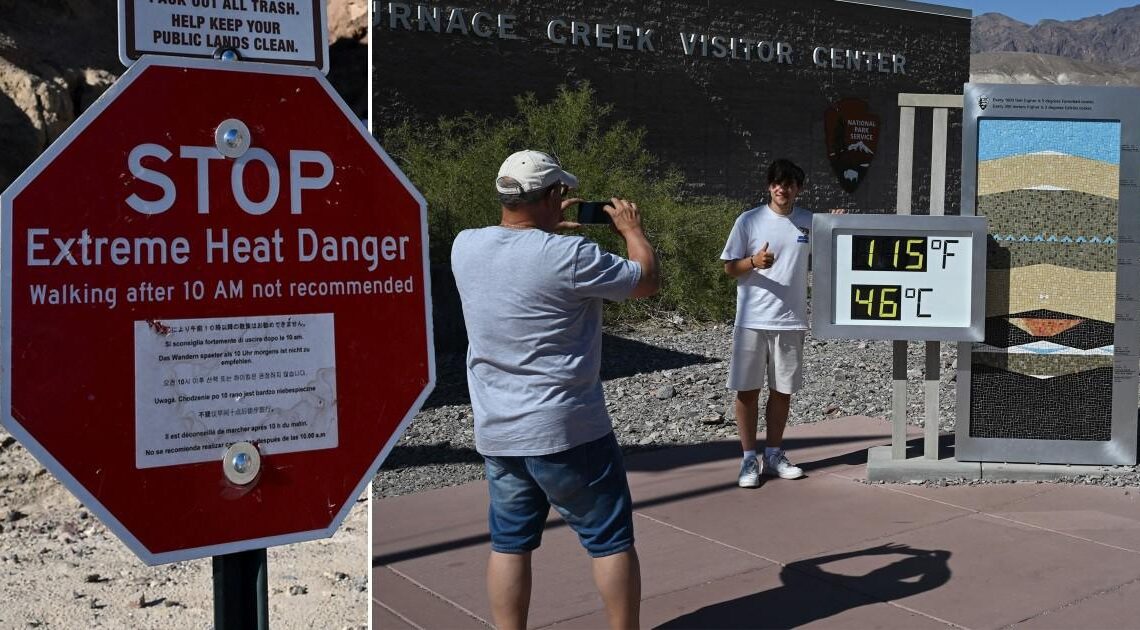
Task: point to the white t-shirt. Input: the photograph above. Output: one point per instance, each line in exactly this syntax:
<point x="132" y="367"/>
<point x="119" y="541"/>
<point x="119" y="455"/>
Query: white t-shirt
<point x="774" y="298"/>
<point x="532" y="304"/>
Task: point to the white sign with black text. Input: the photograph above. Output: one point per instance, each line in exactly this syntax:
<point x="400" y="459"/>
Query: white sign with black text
<point x="275" y="31"/>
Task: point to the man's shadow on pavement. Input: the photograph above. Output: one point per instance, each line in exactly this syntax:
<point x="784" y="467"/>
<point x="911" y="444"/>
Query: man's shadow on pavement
<point x="809" y="593"/>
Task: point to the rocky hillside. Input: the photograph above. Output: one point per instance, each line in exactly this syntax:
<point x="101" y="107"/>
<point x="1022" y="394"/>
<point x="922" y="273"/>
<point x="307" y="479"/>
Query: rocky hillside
<point x="1019" y="67"/>
<point x="58" y="56"/>
<point x="1097" y="50"/>
<point x="1111" y="38"/>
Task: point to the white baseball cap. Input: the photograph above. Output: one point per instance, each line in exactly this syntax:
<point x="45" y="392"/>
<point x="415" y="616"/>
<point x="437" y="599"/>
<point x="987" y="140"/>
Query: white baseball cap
<point x="531" y="170"/>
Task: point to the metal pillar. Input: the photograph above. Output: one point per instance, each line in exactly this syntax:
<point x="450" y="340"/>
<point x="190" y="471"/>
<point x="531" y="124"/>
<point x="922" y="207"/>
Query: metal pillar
<point x="907" y="104"/>
<point x="241" y="591"/>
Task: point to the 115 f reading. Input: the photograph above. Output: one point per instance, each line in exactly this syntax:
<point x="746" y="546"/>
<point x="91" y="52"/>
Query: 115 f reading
<point x="898" y="253"/>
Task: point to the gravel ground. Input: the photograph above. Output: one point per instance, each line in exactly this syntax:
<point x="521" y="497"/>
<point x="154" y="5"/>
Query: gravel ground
<point x="665" y="386"/>
<point x="60" y="567"/>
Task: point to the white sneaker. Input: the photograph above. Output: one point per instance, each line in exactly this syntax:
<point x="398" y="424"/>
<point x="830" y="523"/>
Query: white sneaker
<point x="749" y="473"/>
<point x="778" y="466"/>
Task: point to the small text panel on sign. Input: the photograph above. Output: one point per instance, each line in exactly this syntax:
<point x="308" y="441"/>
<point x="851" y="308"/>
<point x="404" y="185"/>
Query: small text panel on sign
<point x="203" y="384"/>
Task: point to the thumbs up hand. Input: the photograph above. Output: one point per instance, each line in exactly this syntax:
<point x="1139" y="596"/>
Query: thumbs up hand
<point x="763" y="259"/>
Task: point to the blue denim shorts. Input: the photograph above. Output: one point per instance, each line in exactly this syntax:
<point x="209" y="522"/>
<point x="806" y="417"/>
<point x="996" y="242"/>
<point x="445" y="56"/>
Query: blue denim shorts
<point x="586" y="484"/>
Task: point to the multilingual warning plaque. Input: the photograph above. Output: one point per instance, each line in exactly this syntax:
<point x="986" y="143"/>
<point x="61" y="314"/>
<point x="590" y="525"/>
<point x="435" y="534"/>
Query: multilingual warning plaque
<point x="202" y="384"/>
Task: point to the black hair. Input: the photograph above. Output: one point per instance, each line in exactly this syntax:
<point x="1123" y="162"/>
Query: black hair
<point x="782" y="171"/>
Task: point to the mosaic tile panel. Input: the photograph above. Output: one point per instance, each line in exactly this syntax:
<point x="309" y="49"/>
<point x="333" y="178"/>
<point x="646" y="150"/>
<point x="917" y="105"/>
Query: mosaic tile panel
<point x="1016" y="406"/>
<point x="1031" y="212"/>
<point x="1085" y="334"/>
<point x="1049" y="189"/>
<point x="1044" y="365"/>
<point x="1097" y="140"/>
<point x="1084" y="294"/>
<point x="1047" y="171"/>
<point x="1020" y="221"/>
<point x="1029" y="251"/>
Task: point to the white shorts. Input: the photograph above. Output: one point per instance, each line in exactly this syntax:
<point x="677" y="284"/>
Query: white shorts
<point x="776" y="353"/>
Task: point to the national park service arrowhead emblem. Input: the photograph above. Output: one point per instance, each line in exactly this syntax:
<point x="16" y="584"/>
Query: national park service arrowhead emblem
<point x="852" y="132"/>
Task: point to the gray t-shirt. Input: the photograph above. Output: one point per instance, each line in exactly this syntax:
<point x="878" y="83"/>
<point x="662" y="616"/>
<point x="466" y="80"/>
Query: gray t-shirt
<point x="532" y="303"/>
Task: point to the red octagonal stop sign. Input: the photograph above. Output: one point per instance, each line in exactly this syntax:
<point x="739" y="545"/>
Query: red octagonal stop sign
<point x="216" y="312"/>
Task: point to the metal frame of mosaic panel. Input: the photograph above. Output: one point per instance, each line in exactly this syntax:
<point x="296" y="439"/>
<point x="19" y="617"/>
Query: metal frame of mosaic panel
<point x="1054" y="171"/>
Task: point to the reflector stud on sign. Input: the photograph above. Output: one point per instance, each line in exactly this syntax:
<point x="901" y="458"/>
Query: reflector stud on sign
<point x="241" y="463"/>
<point x="232" y="138"/>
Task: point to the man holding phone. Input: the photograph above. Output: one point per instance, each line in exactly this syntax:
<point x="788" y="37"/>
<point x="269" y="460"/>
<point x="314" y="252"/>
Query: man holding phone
<point x="767" y="252"/>
<point x="532" y="304"/>
<point x="594" y="213"/>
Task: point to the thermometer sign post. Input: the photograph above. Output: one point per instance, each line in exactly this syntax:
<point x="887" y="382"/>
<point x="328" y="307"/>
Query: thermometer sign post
<point x="900" y="278"/>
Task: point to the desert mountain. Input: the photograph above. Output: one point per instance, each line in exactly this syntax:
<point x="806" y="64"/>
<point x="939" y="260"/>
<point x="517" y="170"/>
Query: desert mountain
<point x="1112" y="38"/>
<point x="1097" y="50"/>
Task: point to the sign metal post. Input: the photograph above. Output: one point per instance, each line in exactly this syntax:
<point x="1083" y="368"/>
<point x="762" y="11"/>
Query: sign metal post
<point x="241" y="591"/>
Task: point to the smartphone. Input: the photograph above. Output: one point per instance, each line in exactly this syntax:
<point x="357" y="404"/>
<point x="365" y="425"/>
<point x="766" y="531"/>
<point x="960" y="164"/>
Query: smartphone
<point x="593" y="212"/>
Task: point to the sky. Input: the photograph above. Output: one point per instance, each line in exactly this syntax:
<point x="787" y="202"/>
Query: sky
<point x="1032" y="11"/>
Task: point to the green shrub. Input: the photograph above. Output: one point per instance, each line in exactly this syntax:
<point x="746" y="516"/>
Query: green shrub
<point x="454" y="161"/>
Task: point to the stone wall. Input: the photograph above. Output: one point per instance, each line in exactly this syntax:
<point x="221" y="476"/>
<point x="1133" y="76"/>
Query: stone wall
<point x="720" y="119"/>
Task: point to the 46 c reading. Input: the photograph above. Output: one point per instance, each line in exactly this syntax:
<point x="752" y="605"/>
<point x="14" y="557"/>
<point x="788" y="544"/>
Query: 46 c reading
<point x="885" y="301"/>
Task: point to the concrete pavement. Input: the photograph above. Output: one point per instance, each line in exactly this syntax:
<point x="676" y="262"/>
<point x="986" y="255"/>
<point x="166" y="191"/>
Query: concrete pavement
<point x="825" y="551"/>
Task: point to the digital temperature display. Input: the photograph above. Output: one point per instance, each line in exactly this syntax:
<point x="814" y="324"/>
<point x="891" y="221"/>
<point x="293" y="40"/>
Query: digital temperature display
<point x="899" y="277"/>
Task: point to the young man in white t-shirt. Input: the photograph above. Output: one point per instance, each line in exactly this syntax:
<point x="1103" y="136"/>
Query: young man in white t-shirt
<point x="767" y="252"/>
